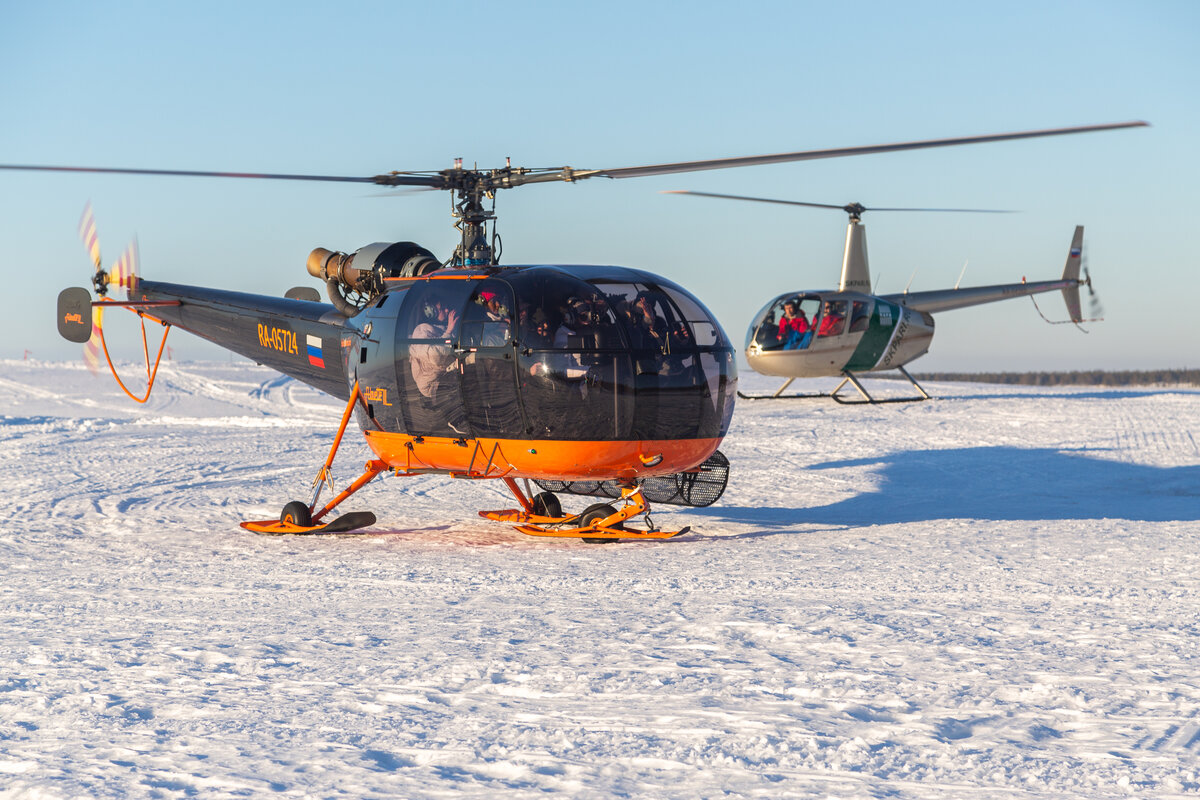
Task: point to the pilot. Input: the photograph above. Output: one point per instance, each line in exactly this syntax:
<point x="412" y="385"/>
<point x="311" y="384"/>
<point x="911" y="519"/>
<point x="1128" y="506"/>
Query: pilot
<point x="792" y="326"/>
<point x="491" y="302"/>
<point x="496" y="324"/>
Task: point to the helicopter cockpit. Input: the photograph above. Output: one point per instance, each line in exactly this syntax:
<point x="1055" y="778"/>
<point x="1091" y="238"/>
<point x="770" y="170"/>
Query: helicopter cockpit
<point x="579" y="353"/>
<point x="798" y="321"/>
<point x="789" y="322"/>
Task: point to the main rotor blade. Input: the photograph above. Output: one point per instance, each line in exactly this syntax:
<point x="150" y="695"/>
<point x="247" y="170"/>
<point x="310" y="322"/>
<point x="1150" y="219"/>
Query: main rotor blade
<point x="949" y="210"/>
<point x="389" y="179"/>
<point x="476" y="180"/>
<point x="810" y="155"/>
<point x="753" y="199"/>
<point x="852" y="207"/>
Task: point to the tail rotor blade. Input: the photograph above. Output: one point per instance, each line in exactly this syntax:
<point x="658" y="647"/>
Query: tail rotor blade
<point x="87" y="233"/>
<point x="1095" y="307"/>
<point x="93" y="352"/>
<point x="91" y="242"/>
<point x="125" y="272"/>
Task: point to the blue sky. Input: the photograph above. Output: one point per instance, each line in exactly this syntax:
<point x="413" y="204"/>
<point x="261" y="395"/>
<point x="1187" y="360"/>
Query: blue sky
<point x="371" y="87"/>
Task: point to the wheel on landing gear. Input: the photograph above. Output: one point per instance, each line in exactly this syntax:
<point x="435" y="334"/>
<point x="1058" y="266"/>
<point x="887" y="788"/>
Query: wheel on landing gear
<point x="593" y="513"/>
<point x="545" y="504"/>
<point x="296" y="513"/>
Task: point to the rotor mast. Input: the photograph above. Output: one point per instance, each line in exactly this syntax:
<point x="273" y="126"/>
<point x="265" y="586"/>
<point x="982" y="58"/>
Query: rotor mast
<point x="471" y="188"/>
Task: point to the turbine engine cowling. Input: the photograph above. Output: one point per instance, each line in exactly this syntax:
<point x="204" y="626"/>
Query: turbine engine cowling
<point x="363" y="271"/>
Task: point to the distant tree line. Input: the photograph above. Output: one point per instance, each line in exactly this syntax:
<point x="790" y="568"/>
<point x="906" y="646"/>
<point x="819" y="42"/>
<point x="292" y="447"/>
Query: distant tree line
<point x="1092" y="377"/>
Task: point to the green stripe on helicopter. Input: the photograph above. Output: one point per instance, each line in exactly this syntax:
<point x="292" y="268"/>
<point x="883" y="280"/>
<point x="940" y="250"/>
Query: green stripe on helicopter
<point x="875" y="339"/>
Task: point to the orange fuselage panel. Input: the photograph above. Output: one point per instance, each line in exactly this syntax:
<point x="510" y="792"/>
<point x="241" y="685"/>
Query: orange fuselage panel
<point x="539" y="458"/>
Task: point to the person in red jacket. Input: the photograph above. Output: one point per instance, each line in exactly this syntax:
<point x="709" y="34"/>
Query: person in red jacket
<point x="792" y="326"/>
<point x="833" y="319"/>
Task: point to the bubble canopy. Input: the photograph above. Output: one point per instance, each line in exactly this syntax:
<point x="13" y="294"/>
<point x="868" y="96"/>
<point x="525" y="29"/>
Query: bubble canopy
<point x="547" y="352"/>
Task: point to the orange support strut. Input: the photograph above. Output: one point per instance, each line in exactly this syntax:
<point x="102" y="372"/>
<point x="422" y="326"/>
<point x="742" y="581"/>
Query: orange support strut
<point x="324" y="476"/>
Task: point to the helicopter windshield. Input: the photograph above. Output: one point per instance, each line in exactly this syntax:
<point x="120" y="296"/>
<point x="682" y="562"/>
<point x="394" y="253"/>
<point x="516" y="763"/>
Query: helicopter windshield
<point x="788" y="322"/>
<point x="542" y="353"/>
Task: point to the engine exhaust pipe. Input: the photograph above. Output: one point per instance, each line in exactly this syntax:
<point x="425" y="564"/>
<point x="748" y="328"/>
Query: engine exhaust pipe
<point x="336" y="270"/>
<point x="328" y="265"/>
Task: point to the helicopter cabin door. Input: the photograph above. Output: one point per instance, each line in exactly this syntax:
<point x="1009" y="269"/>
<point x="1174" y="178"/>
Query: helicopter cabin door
<point x="427" y="359"/>
<point x="877" y="323"/>
<point x="488" y="358"/>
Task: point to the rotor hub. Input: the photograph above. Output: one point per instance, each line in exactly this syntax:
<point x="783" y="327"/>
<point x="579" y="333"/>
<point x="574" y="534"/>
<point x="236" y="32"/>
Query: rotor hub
<point x="855" y="210"/>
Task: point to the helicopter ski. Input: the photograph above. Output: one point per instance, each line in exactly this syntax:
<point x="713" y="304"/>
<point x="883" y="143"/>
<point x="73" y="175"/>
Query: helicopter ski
<point x="601" y="381"/>
<point x="850" y="331"/>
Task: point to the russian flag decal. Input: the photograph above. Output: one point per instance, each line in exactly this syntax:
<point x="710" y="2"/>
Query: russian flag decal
<point x="1075" y="252"/>
<point x="314" y="351"/>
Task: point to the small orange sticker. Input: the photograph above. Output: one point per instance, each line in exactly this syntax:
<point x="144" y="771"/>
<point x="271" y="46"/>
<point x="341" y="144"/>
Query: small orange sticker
<point x="376" y="396"/>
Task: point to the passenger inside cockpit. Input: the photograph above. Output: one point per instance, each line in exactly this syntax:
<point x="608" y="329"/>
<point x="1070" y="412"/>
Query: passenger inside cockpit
<point x="833" y="318"/>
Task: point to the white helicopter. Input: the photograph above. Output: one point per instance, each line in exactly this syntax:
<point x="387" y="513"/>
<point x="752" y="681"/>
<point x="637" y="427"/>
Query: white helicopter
<point x="815" y="334"/>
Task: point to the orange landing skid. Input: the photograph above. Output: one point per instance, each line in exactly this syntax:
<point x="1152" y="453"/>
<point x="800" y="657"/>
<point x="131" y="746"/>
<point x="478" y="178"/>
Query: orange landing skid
<point x="611" y="527"/>
<point x="346" y="522"/>
<point x="599" y="533"/>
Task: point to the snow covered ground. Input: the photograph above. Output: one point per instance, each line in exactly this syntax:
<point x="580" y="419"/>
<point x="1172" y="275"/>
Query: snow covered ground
<point x="990" y="595"/>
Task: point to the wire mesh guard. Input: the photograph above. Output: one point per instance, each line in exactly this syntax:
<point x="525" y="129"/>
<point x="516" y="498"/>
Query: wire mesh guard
<point x="697" y="489"/>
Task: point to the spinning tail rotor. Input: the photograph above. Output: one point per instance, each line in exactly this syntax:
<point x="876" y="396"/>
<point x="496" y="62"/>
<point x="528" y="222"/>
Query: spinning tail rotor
<point x="1076" y="263"/>
<point x="123" y="274"/>
<point x="1095" y="307"/>
<point x="76" y="307"/>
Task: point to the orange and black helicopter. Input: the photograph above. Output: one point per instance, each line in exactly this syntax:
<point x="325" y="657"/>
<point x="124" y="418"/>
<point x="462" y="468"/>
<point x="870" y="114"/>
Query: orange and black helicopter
<point x="602" y="381"/>
<point x="844" y="332"/>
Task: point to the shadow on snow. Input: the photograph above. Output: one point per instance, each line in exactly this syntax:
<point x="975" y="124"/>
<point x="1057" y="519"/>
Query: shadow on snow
<point x="994" y="483"/>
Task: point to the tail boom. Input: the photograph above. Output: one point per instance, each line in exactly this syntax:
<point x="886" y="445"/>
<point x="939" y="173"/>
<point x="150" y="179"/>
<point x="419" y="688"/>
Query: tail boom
<point x="949" y="299"/>
<point x="299" y="338"/>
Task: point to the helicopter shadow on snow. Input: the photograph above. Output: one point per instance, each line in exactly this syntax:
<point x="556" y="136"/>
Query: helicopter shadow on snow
<point x="992" y="483"/>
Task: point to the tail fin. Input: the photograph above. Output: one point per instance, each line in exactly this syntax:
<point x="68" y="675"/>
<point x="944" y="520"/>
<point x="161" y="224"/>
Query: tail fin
<point x="1071" y="273"/>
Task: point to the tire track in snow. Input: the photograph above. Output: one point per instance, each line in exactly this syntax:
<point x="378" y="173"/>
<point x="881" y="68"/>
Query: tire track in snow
<point x="1163" y="434"/>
